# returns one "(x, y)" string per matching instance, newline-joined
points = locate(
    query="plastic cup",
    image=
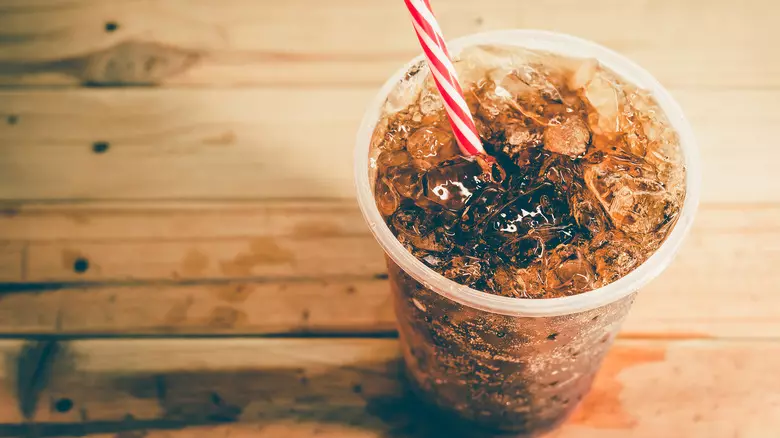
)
(497, 365)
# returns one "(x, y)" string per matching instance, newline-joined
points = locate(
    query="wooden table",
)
(181, 255)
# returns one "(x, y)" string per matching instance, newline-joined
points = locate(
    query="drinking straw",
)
(440, 62)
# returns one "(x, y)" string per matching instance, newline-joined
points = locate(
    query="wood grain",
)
(305, 42)
(259, 257)
(190, 144)
(722, 283)
(214, 197)
(350, 388)
(95, 221)
(12, 258)
(321, 306)
(284, 143)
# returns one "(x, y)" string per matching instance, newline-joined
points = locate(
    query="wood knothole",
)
(100, 147)
(80, 265)
(63, 405)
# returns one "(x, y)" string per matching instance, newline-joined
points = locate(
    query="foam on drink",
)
(587, 182)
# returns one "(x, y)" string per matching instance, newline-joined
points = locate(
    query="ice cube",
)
(512, 84)
(606, 99)
(397, 132)
(392, 158)
(636, 141)
(588, 212)
(407, 90)
(508, 282)
(491, 104)
(568, 271)
(472, 64)
(569, 137)
(640, 211)
(430, 101)
(531, 281)
(613, 255)
(540, 78)
(520, 136)
(464, 269)
(380, 134)
(584, 73)
(432, 145)
(631, 194)
(415, 226)
(452, 184)
(509, 99)
(563, 172)
(406, 180)
(387, 199)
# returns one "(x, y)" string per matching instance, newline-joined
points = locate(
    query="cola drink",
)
(583, 181)
(587, 182)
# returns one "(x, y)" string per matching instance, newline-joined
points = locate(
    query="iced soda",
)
(583, 181)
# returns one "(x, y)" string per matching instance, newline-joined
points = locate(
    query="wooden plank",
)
(226, 144)
(179, 220)
(284, 143)
(239, 42)
(310, 370)
(11, 261)
(338, 305)
(258, 257)
(722, 283)
(350, 388)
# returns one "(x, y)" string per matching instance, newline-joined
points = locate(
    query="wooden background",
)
(181, 255)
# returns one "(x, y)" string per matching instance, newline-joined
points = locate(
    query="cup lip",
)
(567, 45)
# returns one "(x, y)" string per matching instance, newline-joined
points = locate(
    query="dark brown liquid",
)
(583, 181)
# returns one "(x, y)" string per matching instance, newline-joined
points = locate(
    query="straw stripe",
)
(465, 125)
(453, 91)
(424, 16)
(432, 41)
(458, 108)
(455, 108)
(433, 50)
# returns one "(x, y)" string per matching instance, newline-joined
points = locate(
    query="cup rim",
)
(536, 307)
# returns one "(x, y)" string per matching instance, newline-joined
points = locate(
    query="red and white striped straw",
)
(440, 63)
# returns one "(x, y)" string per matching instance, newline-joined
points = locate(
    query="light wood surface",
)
(691, 43)
(176, 187)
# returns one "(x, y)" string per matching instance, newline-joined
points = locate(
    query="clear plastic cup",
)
(497, 365)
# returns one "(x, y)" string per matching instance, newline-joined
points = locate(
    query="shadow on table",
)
(372, 397)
